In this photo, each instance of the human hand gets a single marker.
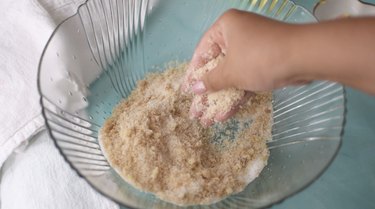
(255, 58)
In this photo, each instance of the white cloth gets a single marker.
(23, 32)
(37, 178)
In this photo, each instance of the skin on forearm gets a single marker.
(339, 50)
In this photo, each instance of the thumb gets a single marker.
(215, 80)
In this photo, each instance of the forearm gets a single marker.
(340, 50)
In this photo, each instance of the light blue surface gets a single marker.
(350, 180)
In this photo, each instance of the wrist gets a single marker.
(301, 57)
(292, 69)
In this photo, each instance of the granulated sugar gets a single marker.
(154, 146)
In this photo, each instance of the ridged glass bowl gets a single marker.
(94, 58)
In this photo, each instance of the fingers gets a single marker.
(209, 47)
(220, 117)
(224, 116)
(200, 58)
(217, 79)
(199, 88)
(206, 50)
(198, 106)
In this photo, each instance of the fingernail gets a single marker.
(198, 87)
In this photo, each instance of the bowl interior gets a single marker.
(94, 58)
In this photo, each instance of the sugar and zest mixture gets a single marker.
(154, 146)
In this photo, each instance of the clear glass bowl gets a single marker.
(94, 58)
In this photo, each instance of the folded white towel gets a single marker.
(24, 31)
(37, 177)
(25, 27)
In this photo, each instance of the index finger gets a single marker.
(209, 47)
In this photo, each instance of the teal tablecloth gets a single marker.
(349, 183)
